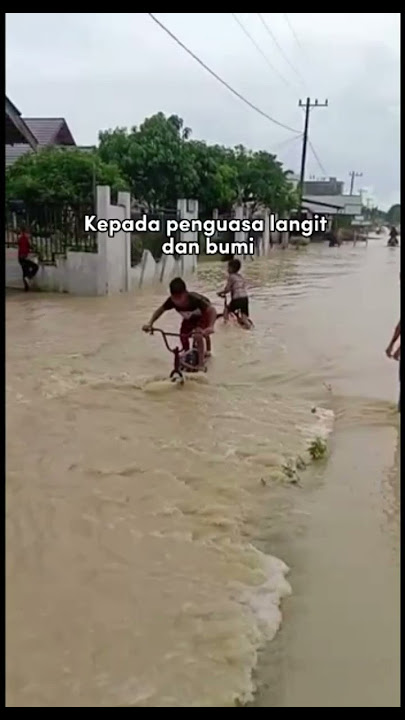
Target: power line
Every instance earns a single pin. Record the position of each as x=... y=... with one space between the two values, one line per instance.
x=223 y=82
x=282 y=144
x=258 y=48
x=280 y=49
x=294 y=34
x=316 y=156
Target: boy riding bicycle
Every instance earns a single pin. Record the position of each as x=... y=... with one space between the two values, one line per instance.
x=198 y=315
x=236 y=287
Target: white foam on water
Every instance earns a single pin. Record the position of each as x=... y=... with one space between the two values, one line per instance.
x=321 y=424
x=265 y=599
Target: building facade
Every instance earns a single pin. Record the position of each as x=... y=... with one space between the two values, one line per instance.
x=324 y=187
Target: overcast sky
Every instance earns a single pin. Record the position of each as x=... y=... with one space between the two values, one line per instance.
x=103 y=70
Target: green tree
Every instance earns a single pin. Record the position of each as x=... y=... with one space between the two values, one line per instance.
x=394 y=215
x=153 y=159
x=57 y=175
x=374 y=214
x=262 y=181
x=214 y=178
x=161 y=164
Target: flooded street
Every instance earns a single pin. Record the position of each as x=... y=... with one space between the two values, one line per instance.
x=150 y=527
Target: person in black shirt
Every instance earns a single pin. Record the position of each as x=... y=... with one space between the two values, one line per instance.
x=198 y=315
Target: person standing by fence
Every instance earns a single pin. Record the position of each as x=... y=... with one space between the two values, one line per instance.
x=28 y=267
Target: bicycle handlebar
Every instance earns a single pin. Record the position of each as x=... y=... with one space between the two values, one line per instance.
x=162 y=332
x=165 y=335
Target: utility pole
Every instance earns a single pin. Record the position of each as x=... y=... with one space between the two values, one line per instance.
x=308 y=106
x=353 y=174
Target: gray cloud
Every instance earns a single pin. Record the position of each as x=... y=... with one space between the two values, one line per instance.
x=102 y=70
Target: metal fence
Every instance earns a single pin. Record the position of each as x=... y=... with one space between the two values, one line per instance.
x=152 y=241
x=53 y=229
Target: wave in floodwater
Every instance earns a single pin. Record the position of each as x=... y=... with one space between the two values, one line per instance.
x=134 y=576
x=138 y=540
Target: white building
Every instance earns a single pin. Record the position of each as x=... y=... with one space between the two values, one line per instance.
x=350 y=205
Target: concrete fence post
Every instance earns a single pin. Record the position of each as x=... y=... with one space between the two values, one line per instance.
x=188 y=210
x=124 y=199
x=266 y=232
x=103 y=201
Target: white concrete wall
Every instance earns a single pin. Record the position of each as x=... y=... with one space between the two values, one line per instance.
x=268 y=239
x=266 y=233
x=240 y=236
x=81 y=273
x=113 y=271
x=150 y=272
x=75 y=274
x=109 y=270
x=13 y=270
x=188 y=210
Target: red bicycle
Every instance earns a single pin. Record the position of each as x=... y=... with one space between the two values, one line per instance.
x=183 y=362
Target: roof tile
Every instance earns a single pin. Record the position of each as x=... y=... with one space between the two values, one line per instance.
x=47 y=129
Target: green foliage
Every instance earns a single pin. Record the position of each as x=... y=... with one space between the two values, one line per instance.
x=214 y=180
x=343 y=222
x=57 y=175
x=153 y=159
x=262 y=180
x=158 y=163
x=318 y=449
x=374 y=214
x=161 y=164
x=394 y=215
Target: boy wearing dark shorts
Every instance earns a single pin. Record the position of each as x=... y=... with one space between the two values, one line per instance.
x=236 y=287
x=198 y=315
x=29 y=268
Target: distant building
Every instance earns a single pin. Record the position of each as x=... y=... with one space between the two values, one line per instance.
x=46 y=132
x=324 y=187
x=348 y=205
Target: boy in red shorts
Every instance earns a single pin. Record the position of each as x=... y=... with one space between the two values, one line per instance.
x=198 y=315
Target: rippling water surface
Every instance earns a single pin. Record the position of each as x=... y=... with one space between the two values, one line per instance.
x=148 y=525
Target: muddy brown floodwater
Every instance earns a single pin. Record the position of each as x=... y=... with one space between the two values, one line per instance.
x=150 y=526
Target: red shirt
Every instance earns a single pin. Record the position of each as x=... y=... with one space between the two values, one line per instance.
x=23 y=246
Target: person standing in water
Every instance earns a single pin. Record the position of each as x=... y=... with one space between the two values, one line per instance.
x=396 y=354
x=393 y=239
